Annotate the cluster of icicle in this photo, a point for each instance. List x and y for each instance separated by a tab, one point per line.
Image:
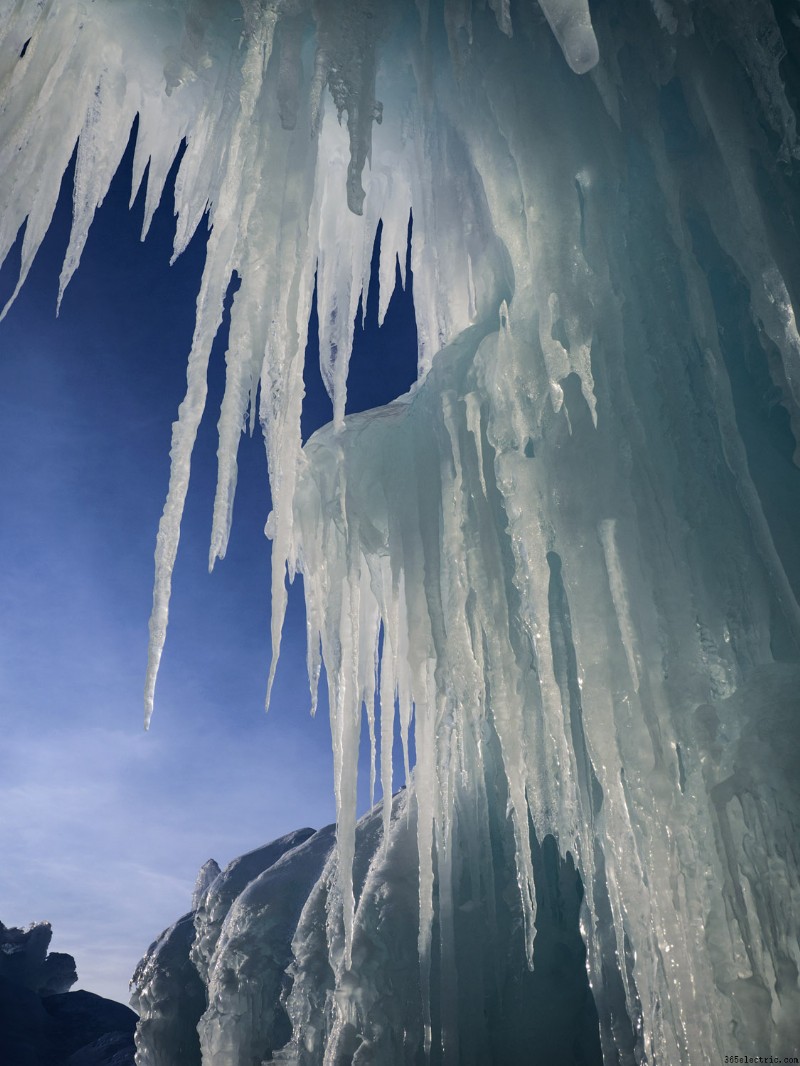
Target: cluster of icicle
553	554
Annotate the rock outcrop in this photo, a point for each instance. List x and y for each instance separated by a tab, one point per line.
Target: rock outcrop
42	1023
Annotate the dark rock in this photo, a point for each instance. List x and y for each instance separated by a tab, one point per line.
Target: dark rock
25	1026
24	960
112	1049
41	1022
82	1018
57	975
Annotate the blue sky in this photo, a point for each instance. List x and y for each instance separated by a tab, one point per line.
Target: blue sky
103	826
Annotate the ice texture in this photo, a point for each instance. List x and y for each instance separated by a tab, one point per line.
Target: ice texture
571	549
212	907
280	988
169	997
209	987
245	1021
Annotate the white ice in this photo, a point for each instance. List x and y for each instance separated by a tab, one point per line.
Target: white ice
585	590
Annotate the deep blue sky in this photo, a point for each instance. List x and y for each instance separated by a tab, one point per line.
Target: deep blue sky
103	827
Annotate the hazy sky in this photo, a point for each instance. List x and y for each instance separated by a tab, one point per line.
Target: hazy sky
102	826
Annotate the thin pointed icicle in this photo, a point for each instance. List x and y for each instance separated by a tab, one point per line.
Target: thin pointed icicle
157	145
619	593
426	787
241	368
369	629
230	214
281	527
37	138
184	434
388	695
100	151
346	730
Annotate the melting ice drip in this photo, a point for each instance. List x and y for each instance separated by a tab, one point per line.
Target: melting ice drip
582	592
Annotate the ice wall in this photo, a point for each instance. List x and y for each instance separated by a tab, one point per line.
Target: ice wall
277	987
573	546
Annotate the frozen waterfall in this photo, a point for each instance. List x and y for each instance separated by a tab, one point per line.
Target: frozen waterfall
568	558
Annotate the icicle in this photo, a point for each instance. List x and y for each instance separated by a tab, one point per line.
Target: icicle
571	23
608	538
100	150
550	664
229	221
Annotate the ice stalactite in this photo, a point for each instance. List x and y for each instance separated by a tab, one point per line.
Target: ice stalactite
562	544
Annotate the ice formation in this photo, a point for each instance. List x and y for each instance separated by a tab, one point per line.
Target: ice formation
275	985
569	555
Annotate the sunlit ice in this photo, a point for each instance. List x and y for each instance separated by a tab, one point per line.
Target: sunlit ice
564	560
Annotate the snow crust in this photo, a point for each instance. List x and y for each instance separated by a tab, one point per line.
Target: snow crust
553	556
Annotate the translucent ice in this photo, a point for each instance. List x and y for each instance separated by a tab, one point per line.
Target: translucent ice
571	549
